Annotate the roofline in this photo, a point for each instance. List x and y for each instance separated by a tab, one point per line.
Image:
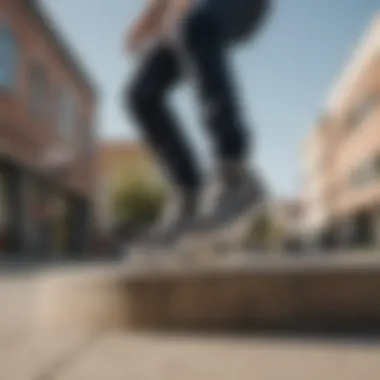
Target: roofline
360	57
71	59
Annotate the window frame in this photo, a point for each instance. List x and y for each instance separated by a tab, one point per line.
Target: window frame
67	114
38	103
9	47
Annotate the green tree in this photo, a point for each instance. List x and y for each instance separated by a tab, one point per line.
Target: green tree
265	232
138	202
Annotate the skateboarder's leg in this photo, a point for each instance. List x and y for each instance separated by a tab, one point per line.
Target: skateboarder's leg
206	48
147	101
204	41
208	33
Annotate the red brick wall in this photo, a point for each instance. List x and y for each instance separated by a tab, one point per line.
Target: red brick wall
20	136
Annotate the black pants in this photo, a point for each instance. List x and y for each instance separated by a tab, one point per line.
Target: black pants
206	52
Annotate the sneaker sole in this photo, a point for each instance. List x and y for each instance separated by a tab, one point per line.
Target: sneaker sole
225	238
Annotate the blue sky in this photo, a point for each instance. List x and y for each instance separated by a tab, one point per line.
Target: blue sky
285	74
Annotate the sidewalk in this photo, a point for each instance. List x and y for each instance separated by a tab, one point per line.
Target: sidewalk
25	355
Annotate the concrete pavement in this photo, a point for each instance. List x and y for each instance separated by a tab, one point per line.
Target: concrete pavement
28	355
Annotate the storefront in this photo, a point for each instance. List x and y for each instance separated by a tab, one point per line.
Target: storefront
39	220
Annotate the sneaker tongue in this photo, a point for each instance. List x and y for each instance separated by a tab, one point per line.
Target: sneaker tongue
189	204
180	206
209	197
169	214
233	173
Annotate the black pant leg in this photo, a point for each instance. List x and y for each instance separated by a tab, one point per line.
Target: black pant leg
147	101
204	44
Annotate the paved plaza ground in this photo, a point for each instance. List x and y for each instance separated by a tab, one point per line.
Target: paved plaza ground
26	354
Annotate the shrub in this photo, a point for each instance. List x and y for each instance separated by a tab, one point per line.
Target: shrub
138	202
265	233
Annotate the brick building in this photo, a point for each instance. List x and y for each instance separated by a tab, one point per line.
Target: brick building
46	100
342	189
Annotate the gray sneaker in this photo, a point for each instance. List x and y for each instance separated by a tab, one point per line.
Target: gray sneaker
240	199
241	193
179	214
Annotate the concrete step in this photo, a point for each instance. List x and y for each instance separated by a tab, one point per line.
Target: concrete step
68	353
274	293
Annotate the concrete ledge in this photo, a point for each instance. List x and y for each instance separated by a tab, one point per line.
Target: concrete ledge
91	299
269	293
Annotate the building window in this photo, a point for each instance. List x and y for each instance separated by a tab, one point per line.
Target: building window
376	164
86	142
366	174
363	110
361	176
67	115
8	58
39	98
